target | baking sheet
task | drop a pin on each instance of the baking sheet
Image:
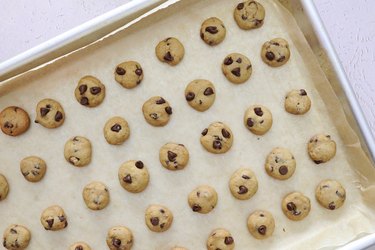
(63, 183)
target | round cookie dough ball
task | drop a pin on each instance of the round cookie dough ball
(276, 52)
(236, 68)
(203, 199)
(129, 74)
(280, 164)
(133, 176)
(4, 187)
(49, 113)
(77, 151)
(173, 156)
(96, 195)
(296, 206)
(258, 119)
(80, 246)
(16, 237)
(321, 148)
(213, 31)
(220, 239)
(217, 138)
(53, 218)
(157, 111)
(261, 224)
(116, 130)
(243, 184)
(170, 51)
(330, 194)
(14, 121)
(158, 218)
(200, 94)
(90, 91)
(119, 238)
(33, 168)
(249, 15)
(297, 102)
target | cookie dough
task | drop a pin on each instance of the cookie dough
(80, 246)
(249, 15)
(330, 194)
(157, 111)
(16, 237)
(275, 52)
(129, 74)
(243, 184)
(280, 164)
(213, 31)
(296, 206)
(49, 113)
(261, 224)
(4, 187)
(158, 218)
(217, 138)
(33, 168)
(119, 238)
(53, 218)
(237, 68)
(173, 156)
(202, 199)
(77, 151)
(258, 119)
(170, 51)
(321, 148)
(116, 130)
(133, 176)
(90, 91)
(14, 121)
(297, 102)
(220, 239)
(96, 195)
(200, 94)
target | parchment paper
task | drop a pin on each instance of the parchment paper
(63, 183)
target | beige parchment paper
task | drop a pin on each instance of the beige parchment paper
(63, 183)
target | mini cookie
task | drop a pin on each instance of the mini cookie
(129, 74)
(243, 184)
(4, 187)
(157, 111)
(16, 237)
(258, 119)
(249, 15)
(53, 218)
(14, 121)
(173, 156)
(96, 195)
(119, 238)
(220, 239)
(237, 68)
(217, 138)
(330, 194)
(321, 148)
(158, 218)
(296, 206)
(133, 176)
(276, 52)
(77, 151)
(280, 164)
(297, 102)
(202, 199)
(116, 130)
(170, 51)
(33, 168)
(49, 113)
(261, 224)
(80, 246)
(90, 91)
(200, 94)
(213, 31)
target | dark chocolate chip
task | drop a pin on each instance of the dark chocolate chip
(13, 231)
(261, 215)
(340, 194)
(257, 22)
(240, 6)
(270, 56)
(291, 206)
(61, 218)
(82, 89)
(331, 206)
(318, 161)
(127, 179)
(208, 91)
(262, 229)
(242, 190)
(84, 101)
(244, 17)
(245, 177)
(295, 212)
(196, 208)
(228, 240)
(168, 57)
(160, 101)
(116, 127)
(239, 60)
(302, 92)
(162, 225)
(168, 110)
(35, 172)
(95, 90)
(236, 71)
(58, 116)
(250, 122)
(211, 29)
(225, 133)
(116, 242)
(216, 144)
(248, 67)
(258, 111)
(204, 132)
(283, 170)
(138, 72)
(190, 96)
(154, 116)
(171, 156)
(8, 125)
(44, 111)
(162, 211)
(154, 221)
(78, 248)
(139, 164)
(50, 222)
(281, 59)
(4, 243)
(120, 71)
(228, 60)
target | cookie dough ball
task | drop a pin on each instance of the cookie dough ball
(158, 218)
(249, 15)
(236, 68)
(90, 91)
(77, 151)
(217, 138)
(276, 52)
(297, 102)
(33, 168)
(170, 51)
(14, 121)
(280, 164)
(220, 239)
(80, 246)
(49, 113)
(243, 184)
(200, 94)
(296, 206)
(157, 111)
(119, 238)
(16, 237)
(53, 218)
(330, 194)
(258, 119)
(133, 176)
(96, 195)
(261, 224)
(203, 199)
(213, 31)
(116, 130)
(129, 74)
(321, 148)
(173, 156)
(4, 187)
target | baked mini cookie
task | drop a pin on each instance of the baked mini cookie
(249, 15)
(236, 68)
(243, 184)
(213, 31)
(280, 163)
(116, 130)
(157, 111)
(220, 239)
(4, 187)
(170, 50)
(14, 121)
(158, 218)
(261, 224)
(49, 113)
(200, 94)
(258, 119)
(296, 206)
(119, 238)
(203, 199)
(275, 52)
(96, 195)
(173, 156)
(77, 151)
(321, 148)
(129, 74)
(330, 194)
(133, 176)
(80, 246)
(53, 218)
(297, 102)
(33, 168)
(90, 91)
(16, 237)
(217, 138)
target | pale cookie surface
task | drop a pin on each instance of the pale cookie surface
(280, 164)
(330, 194)
(243, 184)
(4, 187)
(296, 206)
(213, 31)
(90, 91)
(77, 151)
(16, 237)
(275, 52)
(173, 156)
(217, 138)
(133, 176)
(53, 218)
(157, 111)
(158, 218)
(261, 224)
(119, 238)
(14, 121)
(237, 68)
(220, 239)
(297, 102)
(249, 15)
(33, 168)
(116, 130)
(49, 113)
(129, 74)
(321, 148)
(170, 50)
(258, 119)
(96, 195)
(80, 246)
(203, 199)
(200, 94)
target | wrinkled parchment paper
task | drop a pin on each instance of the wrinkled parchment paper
(63, 183)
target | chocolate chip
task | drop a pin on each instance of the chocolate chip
(281, 59)
(283, 170)
(212, 29)
(262, 229)
(208, 91)
(258, 111)
(244, 17)
(236, 71)
(58, 116)
(82, 89)
(240, 6)
(225, 133)
(78, 248)
(242, 190)
(318, 161)
(216, 145)
(196, 208)
(258, 22)
(204, 132)
(44, 111)
(84, 101)
(190, 96)
(239, 60)
(25, 173)
(302, 92)
(95, 90)
(168, 57)
(116, 128)
(120, 71)
(160, 101)
(61, 218)
(4, 243)
(291, 206)
(171, 156)
(162, 211)
(139, 164)
(270, 56)
(250, 122)
(331, 206)
(154, 116)
(50, 222)
(245, 177)
(8, 125)
(162, 225)
(340, 194)
(202, 35)
(228, 240)
(13, 231)
(228, 60)
(168, 110)
(127, 179)
(116, 242)
(138, 72)
(295, 212)
(154, 221)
